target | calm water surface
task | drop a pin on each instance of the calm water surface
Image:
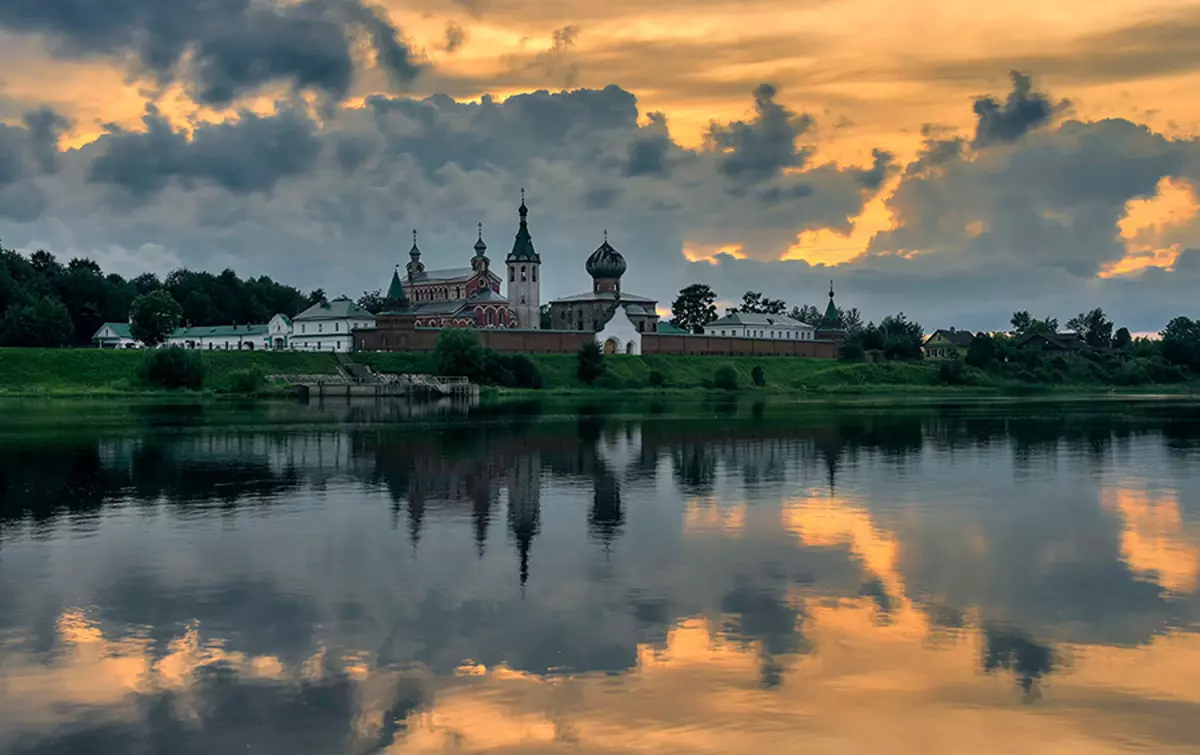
(728, 577)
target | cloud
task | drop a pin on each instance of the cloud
(1023, 111)
(221, 49)
(250, 154)
(25, 152)
(761, 148)
(456, 37)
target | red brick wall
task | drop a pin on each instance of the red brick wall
(660, 343)
(397, 333)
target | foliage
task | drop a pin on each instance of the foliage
(725, 377)
(758, 376)
(590, 360)
(251, 380)
(172, 368)
(952, 372)
(1122, 339)
(694, 308)
(458, 353)
(1181, 343)
(852, 350)
(1022, 323)
(44, 322)
(982, 351)
(153, 317)
(525, 372)
(753, 302)
(1093, 327)
(544, 318)
(656, 379)
(895, 337)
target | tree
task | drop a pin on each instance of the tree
(758, 376)
(372, 301)
(1093, 327)
(725, 377)
(806, 314)
(590, 362)
(850, 320)
(1122, 339)
(901, 337)
(153, 317)
(694, 308)
(457, 352)
(45, 322)
(544, 318)
(1023, 323)
(1181, 343)
(316, 296)
(753, 302)
(982, 351)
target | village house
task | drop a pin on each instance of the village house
(1052, 343)
(948, 343)
(328, 326)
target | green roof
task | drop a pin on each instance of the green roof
(333, 310)
(120, 328)
(667, 328)
(219, 331)
(395, 291)
(522, 250)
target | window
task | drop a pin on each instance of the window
(512, 275)
(320, 327)
(303, 328)
(523, 274)
(337, 327)
(535, 267)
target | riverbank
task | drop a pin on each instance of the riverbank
(86, 372)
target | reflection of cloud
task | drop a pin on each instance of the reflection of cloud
(1154, 541)
(706, 515)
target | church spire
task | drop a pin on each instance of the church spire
(832, 318)
(522, 250)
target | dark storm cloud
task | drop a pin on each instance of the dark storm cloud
(761, 148)
(248, 155)
(456, 37)
(45, 126)
(883, 167)
(649, 155)
(1022, 111)
(26, 152)
(235, 46)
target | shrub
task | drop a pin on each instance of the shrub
(591, 362)
(524, 371)
(458, 353)
(172, 368)
(758, 376)
(952, 372)
(725, 377)
(656, 379)
(247, 381)
(852, 351)
(496, 370)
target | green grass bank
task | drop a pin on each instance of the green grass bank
(94, 371)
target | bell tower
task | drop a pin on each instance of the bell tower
(524, 275)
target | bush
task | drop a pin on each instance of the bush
(591, 362)
(247, 381)
(852, 351)
(725, 377)
(656, 379)
(952, 372)
(458, 353)
(758, 376)
(524, 371)
(172, 368)
(496, 370)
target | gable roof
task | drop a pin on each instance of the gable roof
(120, 328)
(1064, 341)
(335, 310)
(960, 338)
(668, 329)
(753, 318)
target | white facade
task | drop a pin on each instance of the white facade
(619, 335)
(329, 326)
(773, 327)
(115, 335)
(220, 338)
(279, 333)
(525, 293)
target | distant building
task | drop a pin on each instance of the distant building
(279, 333)
(948, 344)
(115, 335)
(592, 310)
(221, 338)
(328, 326)
(1052, 343)
(751, 325)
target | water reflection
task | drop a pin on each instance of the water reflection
(727, 579)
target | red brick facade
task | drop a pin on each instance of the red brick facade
(399, 333)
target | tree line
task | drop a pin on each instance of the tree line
(44, 302)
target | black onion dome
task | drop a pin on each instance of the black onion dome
(606, 262)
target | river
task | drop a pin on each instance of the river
(722, 575)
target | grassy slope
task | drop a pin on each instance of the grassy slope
(558, 370)
(68, 371)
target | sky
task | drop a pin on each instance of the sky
(951, 161)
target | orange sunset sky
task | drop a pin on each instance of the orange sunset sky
(1061, 207)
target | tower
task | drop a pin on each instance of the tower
(830, 327)
(524, 273)
(415, 267)
(480, 262)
